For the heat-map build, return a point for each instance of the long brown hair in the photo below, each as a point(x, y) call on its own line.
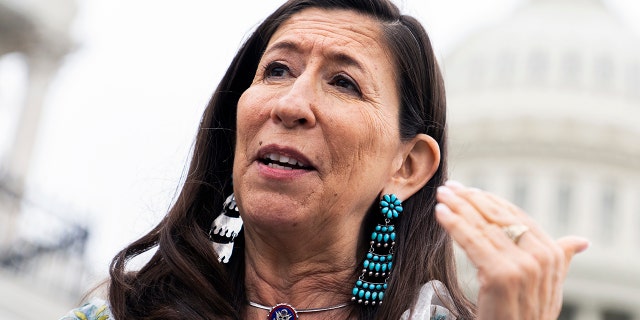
point(184, 280)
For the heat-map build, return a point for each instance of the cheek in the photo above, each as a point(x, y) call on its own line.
point(378, 133)
point(364, 141)
point(249, 116)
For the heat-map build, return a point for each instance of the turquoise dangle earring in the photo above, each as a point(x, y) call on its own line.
point(372, 283)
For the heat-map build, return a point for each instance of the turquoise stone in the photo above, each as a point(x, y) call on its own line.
point(359, 283)
point(383, 258)
point(360, 293)
point(391, 228)
point(366, 263)
point(378, 287)
point(379, 237)
point(389, 215)
point(367, 295)
point(354, 291)
point(384, 229)
point(376, 258)
point(378, 227)
point(365, 285)
point(377, 267)
point(374, 296)
point(381, 295)
point(399, 208)
point(384, 210)
point(393, 236)
point(374, 235)
point(386, 238)
point(369, 255)
point(387, 198)
point(384, 286)
point(384, 267)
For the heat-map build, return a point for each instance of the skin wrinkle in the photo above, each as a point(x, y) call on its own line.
point(346, 40)
point(352, 140)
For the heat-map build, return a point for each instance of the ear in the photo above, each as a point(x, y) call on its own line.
point(421, 159)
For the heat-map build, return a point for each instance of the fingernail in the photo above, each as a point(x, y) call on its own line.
point(586, 245)
point(453, 184)
point(445, 191)
point(442, 208)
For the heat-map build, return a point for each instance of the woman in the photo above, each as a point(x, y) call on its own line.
point(329, 115)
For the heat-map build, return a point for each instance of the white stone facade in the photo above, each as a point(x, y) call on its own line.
point(544, 109)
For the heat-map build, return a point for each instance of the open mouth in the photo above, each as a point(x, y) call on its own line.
point(278, 161)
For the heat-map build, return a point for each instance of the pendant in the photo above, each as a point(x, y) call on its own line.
point(283, 311)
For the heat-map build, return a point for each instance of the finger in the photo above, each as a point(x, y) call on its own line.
point(460, 206)
point(521, 216)
point(572, 245)
point(504, 270)
point(535, 243)
point(546, 251)
point(486, 247)
point(492, 211)
point(477, 247)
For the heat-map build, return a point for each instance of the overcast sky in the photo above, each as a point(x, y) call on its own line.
point(121, 116)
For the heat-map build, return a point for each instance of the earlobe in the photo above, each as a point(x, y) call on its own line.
point(421, 159)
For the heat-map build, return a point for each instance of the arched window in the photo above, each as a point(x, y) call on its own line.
point(608, 212)
point(568, 312)
point(570, 69)
point(538, 67)
point(616, 315)
point(505, 68)
point(633, 80)
point(521, 191)
point(564, 200)
point(604, 72)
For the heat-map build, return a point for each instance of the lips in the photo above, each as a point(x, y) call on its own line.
point(283, 158)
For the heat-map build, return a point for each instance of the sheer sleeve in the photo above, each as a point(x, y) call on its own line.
point(431, 303)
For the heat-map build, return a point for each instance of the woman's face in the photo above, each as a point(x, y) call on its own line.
point(318, 135)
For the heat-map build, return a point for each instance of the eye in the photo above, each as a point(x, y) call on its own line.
point(345, 82)
point(275, 70)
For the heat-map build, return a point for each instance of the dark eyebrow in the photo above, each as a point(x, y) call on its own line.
point(284, 45)
point(339, 57)
point(345, 59)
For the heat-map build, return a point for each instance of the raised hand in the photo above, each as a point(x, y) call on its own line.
point(521, 269)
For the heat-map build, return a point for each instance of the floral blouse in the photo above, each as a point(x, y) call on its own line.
point(96, 309)
point(429, 306)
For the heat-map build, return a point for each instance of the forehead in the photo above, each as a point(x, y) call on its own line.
point(336, 28)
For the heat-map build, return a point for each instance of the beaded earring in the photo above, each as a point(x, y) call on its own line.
point(372, 283)
point(225, 228)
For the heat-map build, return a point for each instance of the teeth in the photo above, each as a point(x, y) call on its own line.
point(277, 166)
point(283, 159)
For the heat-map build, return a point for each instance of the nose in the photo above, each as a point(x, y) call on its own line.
point(296, 106)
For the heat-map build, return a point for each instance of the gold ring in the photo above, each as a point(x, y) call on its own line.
point(515, 231)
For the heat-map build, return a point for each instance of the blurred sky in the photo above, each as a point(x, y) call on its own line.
point(120, 118)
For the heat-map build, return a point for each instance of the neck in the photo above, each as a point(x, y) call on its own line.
point(317, 273)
